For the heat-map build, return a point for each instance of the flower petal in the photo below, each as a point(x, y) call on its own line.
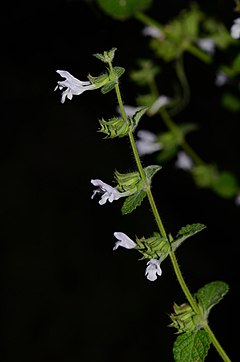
point(124, 241)
point(147, 143)
point(108, 193)
point(73, 85)
point(153, 269)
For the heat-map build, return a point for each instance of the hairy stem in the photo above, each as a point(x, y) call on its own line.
point(163, 233)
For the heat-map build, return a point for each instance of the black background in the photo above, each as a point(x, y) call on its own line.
point(66, 296)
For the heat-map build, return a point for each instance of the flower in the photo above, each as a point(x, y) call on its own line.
point(160, 102)
point(235, 29)
point(147, 143)
point(152, 32)
point(184, 161)
point(221, 78)
point(153, 269)
point(108, 192)
point(73, 85)
point(124, 241)
point(207, 45)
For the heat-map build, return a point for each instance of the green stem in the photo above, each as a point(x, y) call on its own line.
point(140, 167)
point(147, 20)
point(163, 233)
point(195, 308)
point(198, 53)
point(179, 136)
point(183, 99)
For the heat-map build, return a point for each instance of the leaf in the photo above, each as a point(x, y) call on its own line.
point(231, 102)
point(236, 64)
point(204, 175)
point(138, 115)
point(211, 294)
point(226, 184)
point(132, 202)
point(108, 87)
point(185, 232)
point(123, 9)
point(191, 347)
point(151, 170)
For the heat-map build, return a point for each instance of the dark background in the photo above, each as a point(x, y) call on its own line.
point(65, 295)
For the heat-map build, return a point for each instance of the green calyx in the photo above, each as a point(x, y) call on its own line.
point(130, 182)
point(115, 127)
point(155, 247)
point(99, 81)
point(119, 127)
point(184, 319)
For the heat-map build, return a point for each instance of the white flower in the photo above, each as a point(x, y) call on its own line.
point(108, 192)
point(183, 161)
point(221, 79)
point(124, 241)
point(237, 200)
point(159, 103)
point(235, 29)
point(147, 143)
point(152, 32)
point(153, 269)
point(207, 45)
point(73, 85)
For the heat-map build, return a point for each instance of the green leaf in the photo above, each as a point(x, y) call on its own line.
point(191, 347)
point(123, 9)
point(108, 87)
point(226, 184)
point(231, 102)
point(185, 232)
point(210, 295)
point(107, 56)
point(170, 141)
point(132, 202)
point(138, 115)
point(204, 175)
point(151, 170)
point(236, 64)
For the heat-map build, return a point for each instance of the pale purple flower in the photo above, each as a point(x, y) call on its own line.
point(221, 78)
point(108, 193)
point(207, 45)
point(124, 241)
point(183, 162)
point(152, 32)
point(153, 269)
point(73, 85)
point(160, 102)
point(147, 143)
point(235, 29)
